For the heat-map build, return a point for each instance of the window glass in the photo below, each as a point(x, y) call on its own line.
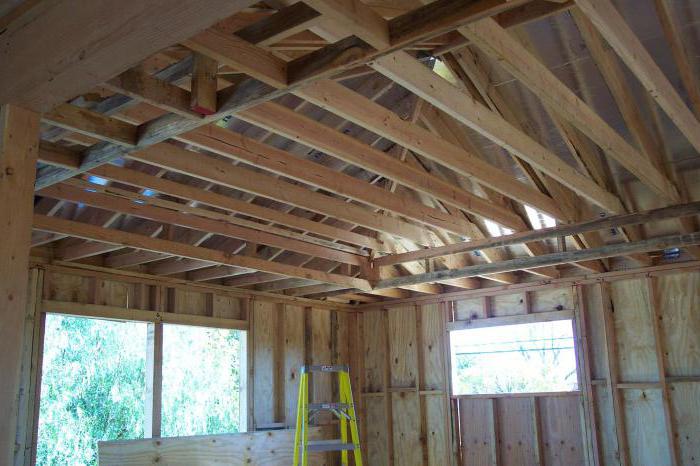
point(92, 387)
point(524, 358)
point(202, 380)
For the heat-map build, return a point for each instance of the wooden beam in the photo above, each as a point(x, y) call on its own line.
point(58, 156)
point(204, 84)
point(518, 61)
point(201, 196)
point(287, 21)
point(194, 219)
point(353, 107)
point(558, 258)
point(19, 145)
point(240, 55)
point(416, 77)
point(45, 62)
point(190, 163)
point(92, 124)
point(230, 144)
point(620, 36)
point(95, 233)
point(676, 211)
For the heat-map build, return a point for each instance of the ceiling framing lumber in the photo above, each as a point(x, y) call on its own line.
point(617, 221)
point(346, 103)
point(45, 62)
point(175, 159)
point(126, 239)
point(558, 258)
point(508, 52)
point(197, 219)
point(625, 42)
point(413, 75)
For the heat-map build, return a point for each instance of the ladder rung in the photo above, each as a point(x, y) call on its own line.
point(328, 406)
point(326, 368)
point(330, 445)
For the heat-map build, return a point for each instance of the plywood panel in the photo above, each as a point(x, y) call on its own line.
point(437, 434)
point(402, 344)
point(646, 432)
point(561, 430)
point(374, 341)
point(228, 307)
point(250, 449)
point(293, 359)
point(516, 431)
point(376, 441)
point(607, 439)
point(477, 432)
point(685, 402)
point(73, 288)
point(320, 338)
point(407, 431)
point(552, 299)
point(591, 295)
point(190, 302)
point(508, 305)
point(679, 303)
point(633, 331)
point(467, 309)
point(432, 350)
point(113, 293)
point(265, 338)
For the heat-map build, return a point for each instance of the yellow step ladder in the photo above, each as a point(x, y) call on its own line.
point(344, 410)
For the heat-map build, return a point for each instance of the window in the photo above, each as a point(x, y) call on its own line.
point(202, 373)
point(92, 387)
point(522, 358)
point(95, 384)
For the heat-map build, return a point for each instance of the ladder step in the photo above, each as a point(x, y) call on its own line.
point(328, 406)
point(330, 445)
point(326, 368)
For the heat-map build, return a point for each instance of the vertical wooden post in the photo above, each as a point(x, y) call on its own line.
point(612, 375)
point(30, 371)
point(583, 354)
point(657, 317)
point(154, 381)
point(204, 85)
point(19, 143)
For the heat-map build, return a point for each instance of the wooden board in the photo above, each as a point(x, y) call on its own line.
point(265, 338)
point(606, 426)
point(432, 348)
point(685, 400)
point(561, 430)
point(478, 432)
point(552, 299)
point(646, 432)
point(508, 305)
point(679, 302)
point(402, 345)
point(375, 436)
point(250, 449)
point(294, 356)
point(228, 307)
point(516, 432)
point(436, 429)
point(466, 309)
point(375, 361)
point(634, 331)
point(408, 446)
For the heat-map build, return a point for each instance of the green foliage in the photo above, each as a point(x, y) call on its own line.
point(92, 388)
point(201, 380)
point(93, 385)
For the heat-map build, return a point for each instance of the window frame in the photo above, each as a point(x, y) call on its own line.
point(517, 319)
point(154, 354)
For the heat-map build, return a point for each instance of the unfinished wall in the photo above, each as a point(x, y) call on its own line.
point(638, 351)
